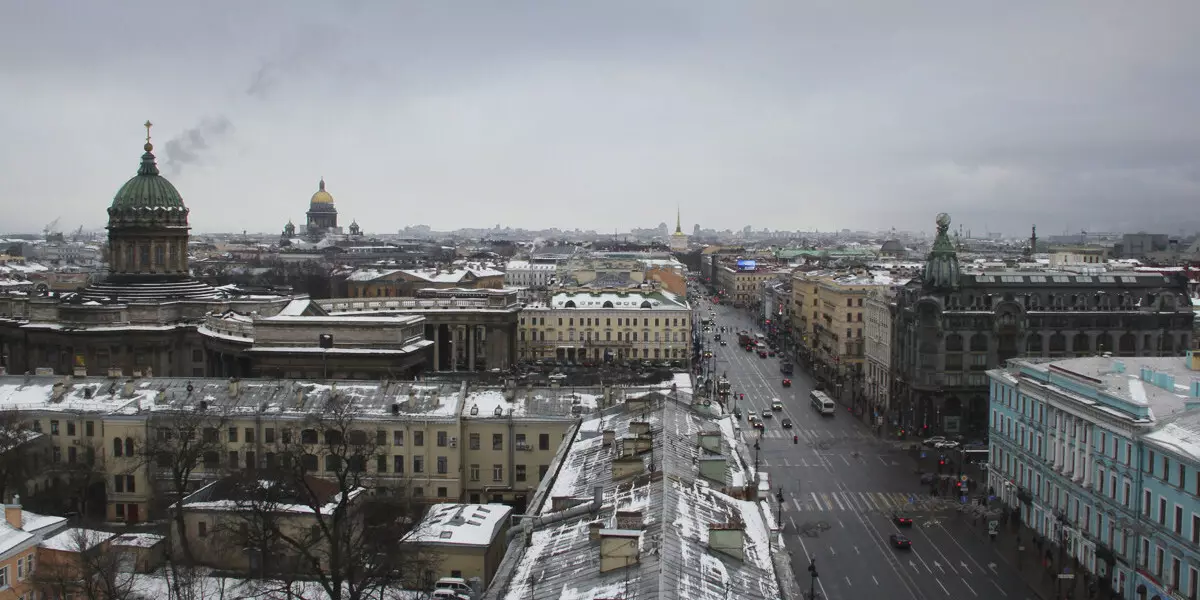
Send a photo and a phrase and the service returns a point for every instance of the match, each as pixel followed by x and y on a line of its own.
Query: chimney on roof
pixel 12 512
pixel 127 389
pixel 233 387
pixel 639 427
pixel 710 441
pixel 609 437
pixel 618 548
pixel 728 539
pixel 594 530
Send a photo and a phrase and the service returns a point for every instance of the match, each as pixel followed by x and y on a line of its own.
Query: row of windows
pixel 331 437
pixel 1165 567
pixel 89 428
pixel 627 336
pixel 621 321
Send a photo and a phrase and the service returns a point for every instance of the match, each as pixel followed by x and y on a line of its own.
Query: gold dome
pixel 322 196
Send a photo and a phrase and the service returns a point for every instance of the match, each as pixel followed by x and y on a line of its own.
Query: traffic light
pixel 812 568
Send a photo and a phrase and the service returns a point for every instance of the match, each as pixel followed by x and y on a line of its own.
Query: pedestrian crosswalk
pixel 807 435
pixel 864 502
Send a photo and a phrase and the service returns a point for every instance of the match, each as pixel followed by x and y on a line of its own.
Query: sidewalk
pixel 1017 547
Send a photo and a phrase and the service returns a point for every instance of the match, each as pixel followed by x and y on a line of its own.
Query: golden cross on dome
pixel 148 125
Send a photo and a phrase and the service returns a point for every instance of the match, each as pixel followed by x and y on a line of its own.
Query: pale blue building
pixel 1100 455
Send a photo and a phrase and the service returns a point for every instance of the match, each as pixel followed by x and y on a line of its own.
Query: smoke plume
pixel 188 147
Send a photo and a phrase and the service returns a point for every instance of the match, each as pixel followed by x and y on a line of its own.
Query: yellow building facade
pixel 106 438
pixel 615 325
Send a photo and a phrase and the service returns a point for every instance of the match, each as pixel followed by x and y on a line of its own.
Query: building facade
pixel 402 283
pixel 435 441
pixel 830 312
pixel 877 353
pixel 1097 455
pixel 951 327
pixel 613 325
pixel 522 273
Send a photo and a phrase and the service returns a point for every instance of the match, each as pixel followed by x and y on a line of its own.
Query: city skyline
pixel 796 117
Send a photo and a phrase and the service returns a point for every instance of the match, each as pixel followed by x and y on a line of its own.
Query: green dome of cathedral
pixel 147 198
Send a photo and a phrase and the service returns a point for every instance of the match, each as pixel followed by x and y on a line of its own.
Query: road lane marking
pixel 856 550
pixel 1002 592
pixel 816 500
pixel 875 580
pixel 832 551
pixel 964 580
pixel 838 500
pixel 848 581
pixel 943 586
pixel 797 503
pixel 881 460
pixel 804 462
pixel 785 463
pixel 844 460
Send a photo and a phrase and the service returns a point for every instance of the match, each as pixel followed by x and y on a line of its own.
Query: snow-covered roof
pixel 268 396
pixel 1181 436
pixel 660 300
pixel 11 537
pixel 493 403
pixel 137 540
pixel 76 539
pixel 461 524
pixel 670 509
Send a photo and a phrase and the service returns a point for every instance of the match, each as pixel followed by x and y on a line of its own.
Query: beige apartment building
pixel 437 442
pixel 613 324
pixel 829 316
pixel 743 286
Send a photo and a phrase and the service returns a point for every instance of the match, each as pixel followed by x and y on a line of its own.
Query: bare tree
pixel 17 462
pixel 179 441
pixel 91 570
pixel 315 516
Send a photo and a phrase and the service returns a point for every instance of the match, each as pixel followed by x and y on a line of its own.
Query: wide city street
pixel 841 487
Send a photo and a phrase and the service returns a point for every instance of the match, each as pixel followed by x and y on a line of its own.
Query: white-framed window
pixel 4 577
pixel 21 568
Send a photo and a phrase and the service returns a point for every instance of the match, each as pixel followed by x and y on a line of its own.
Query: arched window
pixel 607 304
pixel 128 446
pixel 569 304
pixel 117 446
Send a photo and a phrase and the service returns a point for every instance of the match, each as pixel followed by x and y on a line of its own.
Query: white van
pixel 821 403
pixel 457 585
pixel 776 404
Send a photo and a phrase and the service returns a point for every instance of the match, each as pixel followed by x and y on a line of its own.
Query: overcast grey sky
pixel 788 114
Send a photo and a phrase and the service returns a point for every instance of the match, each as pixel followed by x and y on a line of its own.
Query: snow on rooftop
pixel 557 402
pixel 461 524
pixel 1182 436
pixel 76 539
pixel 137 540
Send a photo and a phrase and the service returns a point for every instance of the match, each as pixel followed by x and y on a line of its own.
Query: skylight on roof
pixel 445 535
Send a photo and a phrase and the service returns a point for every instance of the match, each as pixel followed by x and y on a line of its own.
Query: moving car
pixel 900 542
pixel 946 445
pixel 762 353
pixel 776 404
pixel 749 348
pixel 786 423
pixel 756 422
pixel 787 382
pixel 771 353
pixel 737 412
pixel 767 414
pixel 724 343
pixel 901 520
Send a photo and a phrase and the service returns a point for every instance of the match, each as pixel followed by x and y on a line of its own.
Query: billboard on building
pixel 746 265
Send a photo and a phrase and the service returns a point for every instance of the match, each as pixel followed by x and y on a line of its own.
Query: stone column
pixel 471 330
pixel 437 347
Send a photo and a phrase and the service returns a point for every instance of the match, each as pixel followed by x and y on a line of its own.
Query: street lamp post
pixel 812 582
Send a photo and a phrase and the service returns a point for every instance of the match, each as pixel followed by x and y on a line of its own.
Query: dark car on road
pixel 787 383
pixel 786 423
pixel 900 542
pixel 901 520
pixel 762 353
